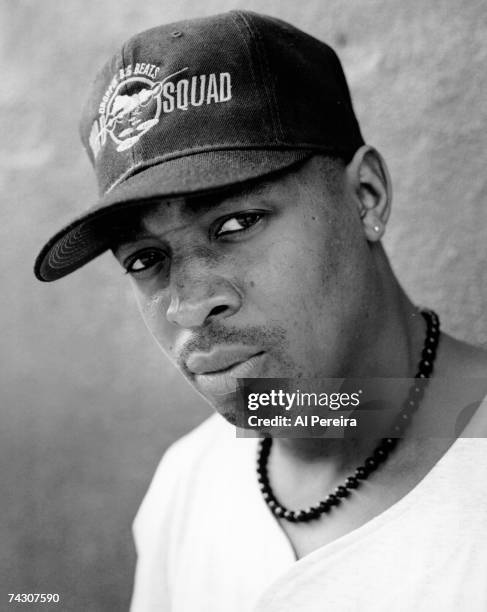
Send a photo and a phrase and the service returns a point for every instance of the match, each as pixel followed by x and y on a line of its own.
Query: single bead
pixel 313 512
pixel 279 511
pixel 411 407
pixel 334 500
pixel 301 516
pixel 324 506
pixel 352 482
pixel 361 473
pixel 370 463
pixel 380 454
pixel 398 429
pixel 417 396
pixel 342 491
pixel 289 516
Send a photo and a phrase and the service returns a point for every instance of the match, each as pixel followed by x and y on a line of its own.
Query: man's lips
pixel 215 374
pixel 219 360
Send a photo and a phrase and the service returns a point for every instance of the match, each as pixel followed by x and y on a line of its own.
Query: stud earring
pixel 376 228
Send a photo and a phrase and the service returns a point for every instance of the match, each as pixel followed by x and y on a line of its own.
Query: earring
pixel 376 228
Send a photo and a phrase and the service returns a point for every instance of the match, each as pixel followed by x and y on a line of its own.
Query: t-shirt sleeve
pixel 152 535
pixel 161 522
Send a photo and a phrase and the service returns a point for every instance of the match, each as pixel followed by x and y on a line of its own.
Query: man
pixel 237 192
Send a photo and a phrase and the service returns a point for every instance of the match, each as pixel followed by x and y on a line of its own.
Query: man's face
pixel 264 282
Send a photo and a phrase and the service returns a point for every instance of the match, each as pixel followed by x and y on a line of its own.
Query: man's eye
pixel 143 261
pixel 239 223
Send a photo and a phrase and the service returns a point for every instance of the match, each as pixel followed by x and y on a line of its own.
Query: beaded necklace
pixel 379 454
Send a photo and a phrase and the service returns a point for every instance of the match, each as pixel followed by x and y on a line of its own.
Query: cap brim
pixel 84 239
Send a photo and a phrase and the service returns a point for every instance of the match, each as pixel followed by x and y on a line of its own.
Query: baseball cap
pixel 200 105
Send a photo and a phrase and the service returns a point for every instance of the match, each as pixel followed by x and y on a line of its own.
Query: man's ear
pixel 371 184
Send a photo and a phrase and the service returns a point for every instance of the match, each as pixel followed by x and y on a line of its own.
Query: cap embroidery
pixel 134 101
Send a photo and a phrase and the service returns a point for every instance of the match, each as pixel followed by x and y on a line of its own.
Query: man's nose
pixel 198 300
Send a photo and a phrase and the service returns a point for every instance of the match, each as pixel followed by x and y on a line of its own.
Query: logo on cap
pixel 134 101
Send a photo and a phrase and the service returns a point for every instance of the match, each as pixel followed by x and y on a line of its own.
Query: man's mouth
pixel 215 373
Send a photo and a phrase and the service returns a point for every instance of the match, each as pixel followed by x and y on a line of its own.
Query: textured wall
pixel 85 406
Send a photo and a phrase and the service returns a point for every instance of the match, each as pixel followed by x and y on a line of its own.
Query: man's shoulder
pixel 200 452
pixel 181 464
pixel 189 456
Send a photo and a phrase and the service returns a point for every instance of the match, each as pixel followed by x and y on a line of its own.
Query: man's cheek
pixel 278 269
pixel 150 308
pixel 153 312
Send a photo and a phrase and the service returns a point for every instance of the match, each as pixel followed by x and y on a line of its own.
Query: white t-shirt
pixel 206 541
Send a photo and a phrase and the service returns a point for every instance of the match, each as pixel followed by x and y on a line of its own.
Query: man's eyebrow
pixel 124 229
pixel 209 201
pixel 128 227
pixel 126 236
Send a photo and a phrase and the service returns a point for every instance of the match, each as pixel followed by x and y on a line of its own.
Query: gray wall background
pixel 87 404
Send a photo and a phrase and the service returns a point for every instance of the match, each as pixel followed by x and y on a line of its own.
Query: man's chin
pixel 229 406
pixel 230 409
pixel 230 417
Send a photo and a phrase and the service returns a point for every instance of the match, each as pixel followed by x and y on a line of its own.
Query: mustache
pixel 207 338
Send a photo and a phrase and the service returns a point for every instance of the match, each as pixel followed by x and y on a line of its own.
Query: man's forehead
pixel 146 218
pixel 202 203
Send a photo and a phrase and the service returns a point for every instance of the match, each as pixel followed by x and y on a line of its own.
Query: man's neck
pixel 391 349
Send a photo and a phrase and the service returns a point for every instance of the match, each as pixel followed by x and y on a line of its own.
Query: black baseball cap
pixel 201 105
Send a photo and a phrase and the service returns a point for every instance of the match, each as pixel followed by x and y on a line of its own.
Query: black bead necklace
pixel 381 451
